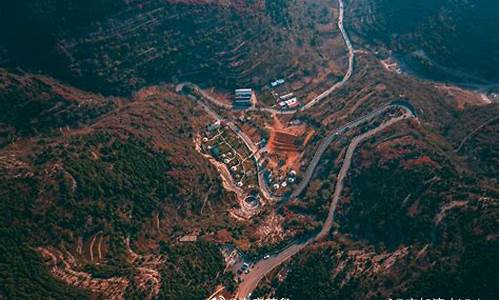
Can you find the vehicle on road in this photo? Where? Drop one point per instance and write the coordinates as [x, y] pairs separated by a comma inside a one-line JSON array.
[[266, 256]]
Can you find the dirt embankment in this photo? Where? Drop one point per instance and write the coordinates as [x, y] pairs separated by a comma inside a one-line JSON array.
[[285, 142]]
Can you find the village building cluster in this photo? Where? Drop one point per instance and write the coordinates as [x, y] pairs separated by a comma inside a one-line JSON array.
[[280, 182], [283, 97], [243, 98], [223, 145]]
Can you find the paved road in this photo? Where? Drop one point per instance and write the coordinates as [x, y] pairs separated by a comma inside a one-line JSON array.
[[245, 138], [308, 105], [263, 267], [307, 176], [209, 111], [350, 68], [248, 142], [329, 139], [320, 150], [202, 93], [339, 186], [324, 145]]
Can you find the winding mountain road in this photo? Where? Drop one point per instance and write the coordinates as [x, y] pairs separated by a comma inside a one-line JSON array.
[[248, 142], [306, 106], [326, 142], [263, 267], [350, 67]]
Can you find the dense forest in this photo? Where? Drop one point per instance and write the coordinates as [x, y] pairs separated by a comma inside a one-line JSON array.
[[67, 190]]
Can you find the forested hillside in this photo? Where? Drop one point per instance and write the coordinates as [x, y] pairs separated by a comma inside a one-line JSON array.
[[418, 214], [108, 200], [443, 39], [116, 47], [128, 171]]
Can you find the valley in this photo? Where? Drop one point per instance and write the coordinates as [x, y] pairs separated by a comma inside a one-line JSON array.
[[246, 150]]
